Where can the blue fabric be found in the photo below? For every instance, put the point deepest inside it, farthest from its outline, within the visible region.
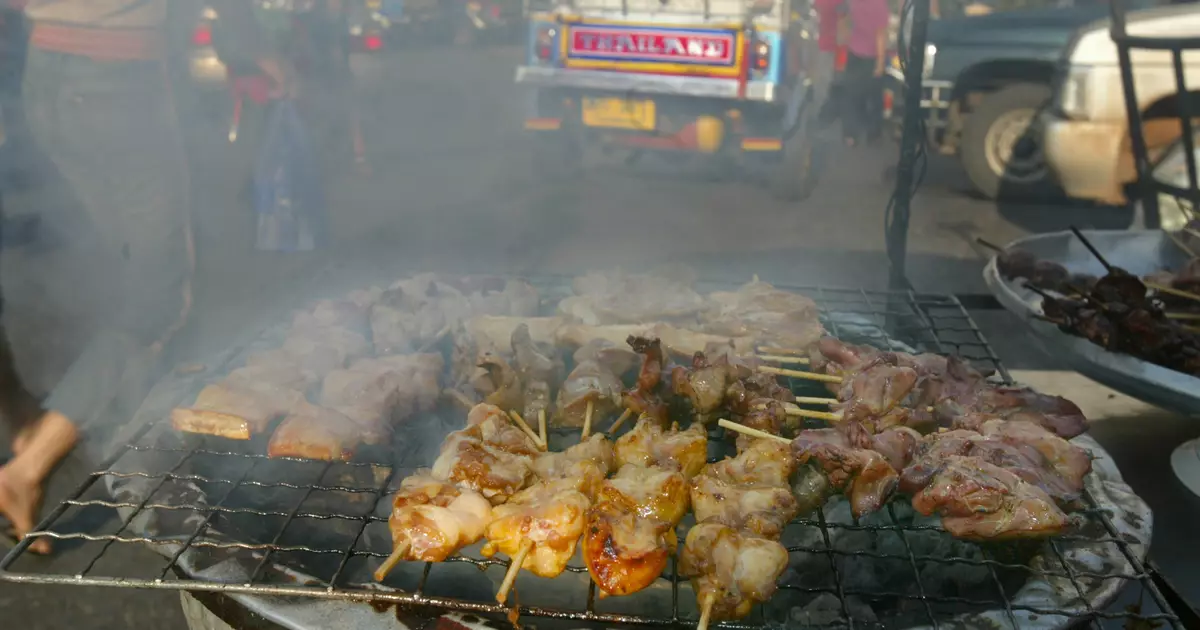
(289, 196)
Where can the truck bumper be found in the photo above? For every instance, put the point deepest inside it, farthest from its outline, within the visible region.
(936, 99)
(704, 87)
(1084, 156)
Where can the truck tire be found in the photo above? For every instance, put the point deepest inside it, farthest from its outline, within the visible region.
(1001, 146)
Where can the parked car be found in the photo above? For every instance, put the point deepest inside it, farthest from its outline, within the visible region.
(986, 77)
(1086, 128)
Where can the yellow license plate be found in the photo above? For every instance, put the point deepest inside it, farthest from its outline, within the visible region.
(619, 113)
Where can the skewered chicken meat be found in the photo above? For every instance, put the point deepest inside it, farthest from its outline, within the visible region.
(862, 474)
(548, 515)
(586, 463)
(631, 529)
(588, 382)
(616, 358)
(503, 381)
(704, 384)
(490, 456)
(649, 444)
(766, 415)
(431, 520)
(539, 369)
(678, 341)
(748, 492)
(981, 501)
(495, 332)
(314, 432)
(735, 570)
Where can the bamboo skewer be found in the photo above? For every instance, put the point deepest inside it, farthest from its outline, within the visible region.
(587, 420)
(803, 400)
(811, 413)
(391, 562)
(514, 566)
(542, 425)
(781, 358)
(1182, 316)
(791, 353)
(436, 338)
(741, 428)
(520, 422)
(706, 611)
(1172, 291)
(812, 376)
(625, 415)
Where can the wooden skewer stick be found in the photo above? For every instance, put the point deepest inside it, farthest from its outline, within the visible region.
(514, 566)
(810, 413)
(1183, 316)
(741, 428)
(804, 400)
(706, 611)
(782, 358)
(1173, 291)
(587, 420)
(1091, 248)
(436, 338)
(542, 425)
(990, 245)
(527, 429)
(791, 352)
(391, 562)
(625, 416)
(1195, 329)
(812, 376)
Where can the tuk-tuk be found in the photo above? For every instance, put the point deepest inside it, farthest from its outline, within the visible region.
(724, 78)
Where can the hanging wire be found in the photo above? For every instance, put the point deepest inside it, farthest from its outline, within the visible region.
(912, 162)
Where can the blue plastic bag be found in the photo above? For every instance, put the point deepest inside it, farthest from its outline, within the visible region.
(288, 192)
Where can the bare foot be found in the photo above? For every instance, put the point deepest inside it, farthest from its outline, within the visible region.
(21, 439)
(20, 500)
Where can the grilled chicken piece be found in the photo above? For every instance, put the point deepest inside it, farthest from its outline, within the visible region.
(981, 501)
(551, 515)
(539, 369)
(631, 529)
(648, 444)
(874, 392)
(1070, 462)
(764, 414)
(504, 382)
(586, 464)
(313, 432)
(749, 491)
(862, 474)
(588, 382)
(618, 297)
(432, 519)
(678, 341)
(234, 411)
(490, 456)
(495, 332)
(345, 314)
(746, 391)
(736, 570)
(704, 384)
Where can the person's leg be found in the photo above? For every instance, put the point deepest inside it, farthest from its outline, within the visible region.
(858, 75)
(21, 478)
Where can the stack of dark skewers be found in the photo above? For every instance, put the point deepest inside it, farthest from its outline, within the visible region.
(1119, 311)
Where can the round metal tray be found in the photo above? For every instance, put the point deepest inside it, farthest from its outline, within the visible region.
(1139, 252)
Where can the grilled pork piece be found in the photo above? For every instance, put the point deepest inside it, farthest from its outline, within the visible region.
(736, 570)
(772, 316)
(678, 341)
(649, 444)
(620, 298)
(981, 501)
(313, 432)
(748, 492)
(491, 455)
(431, 519)
(631, 528)
(550, 515)
(618, 359)
(495, 332)
(346, 314)
(376, 393)
(234, 411)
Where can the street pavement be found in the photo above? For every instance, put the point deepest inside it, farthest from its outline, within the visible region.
(451, 188)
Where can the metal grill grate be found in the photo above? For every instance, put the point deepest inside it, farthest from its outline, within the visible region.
(317, 529)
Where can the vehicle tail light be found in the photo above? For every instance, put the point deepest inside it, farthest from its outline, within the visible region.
(760, 55)
(544, 46)
(202, 36)
(372, 42)
(495, 11)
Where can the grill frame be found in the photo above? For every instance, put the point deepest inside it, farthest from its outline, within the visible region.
(927, 322)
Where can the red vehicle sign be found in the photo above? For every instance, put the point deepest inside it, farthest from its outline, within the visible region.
(632, 44)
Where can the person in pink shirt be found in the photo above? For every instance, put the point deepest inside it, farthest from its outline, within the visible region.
(867, 57)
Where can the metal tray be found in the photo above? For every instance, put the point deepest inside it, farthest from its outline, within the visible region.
(1139, 252)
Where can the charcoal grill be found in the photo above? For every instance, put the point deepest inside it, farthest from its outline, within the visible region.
(227, 519)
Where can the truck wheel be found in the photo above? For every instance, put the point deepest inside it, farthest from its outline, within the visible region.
(1001, 146)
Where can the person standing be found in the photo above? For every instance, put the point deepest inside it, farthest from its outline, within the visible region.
(99, 103)
(866, 60)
